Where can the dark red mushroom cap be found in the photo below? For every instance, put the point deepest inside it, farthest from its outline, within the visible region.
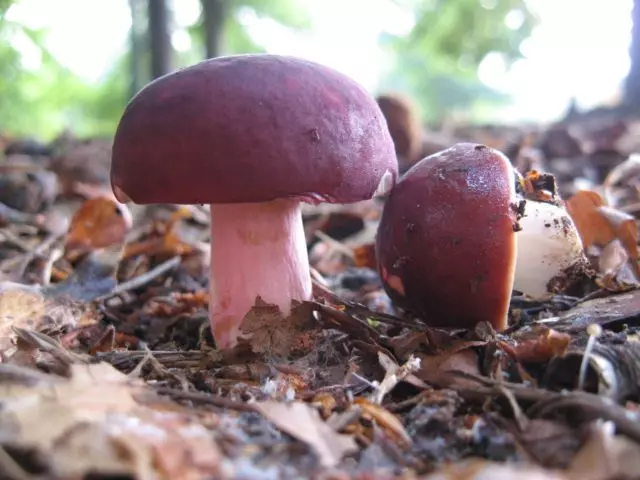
(446, 242)
(252, 128)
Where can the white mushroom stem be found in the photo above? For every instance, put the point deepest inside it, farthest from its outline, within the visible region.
(257, 249)
(548, 244)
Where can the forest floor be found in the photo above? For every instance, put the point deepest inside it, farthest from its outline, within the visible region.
(108, 367)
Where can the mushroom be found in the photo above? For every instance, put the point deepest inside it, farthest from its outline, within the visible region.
(449, 241)
(253, 136)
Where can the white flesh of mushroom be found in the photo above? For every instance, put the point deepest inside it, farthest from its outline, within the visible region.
(548, 244)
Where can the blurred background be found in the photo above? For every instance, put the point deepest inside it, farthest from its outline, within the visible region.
(73, 64)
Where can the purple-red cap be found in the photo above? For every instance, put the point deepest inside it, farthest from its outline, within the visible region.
(252, 128)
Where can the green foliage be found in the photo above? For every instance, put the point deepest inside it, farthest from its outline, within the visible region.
(470, 29)
(51, 98)
(288, 13)
(437, 61)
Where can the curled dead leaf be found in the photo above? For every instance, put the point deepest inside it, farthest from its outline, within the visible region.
(100, 222)
(164, 240)
(599, 224)
(538, 345)
(304, 423)
(268, 331)
(365, 256)
(390, 423)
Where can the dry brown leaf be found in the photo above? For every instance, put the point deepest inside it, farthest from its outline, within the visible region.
(484, 470)
(436, 369)
(599, 224)
(593, 228)
(165, 241)
(23, 306)
(612, 257)
(389, 422)
(37, 416)
(538, 345)
(606, 456)
(365, 256)
(304, 423)
(270, 332)
(20, 308)
(626, 230)
(93, 422)
(100, 222)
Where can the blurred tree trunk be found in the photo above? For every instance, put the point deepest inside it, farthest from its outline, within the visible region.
(214, 13)
(136, 34)
(632, 87)
(160, 38)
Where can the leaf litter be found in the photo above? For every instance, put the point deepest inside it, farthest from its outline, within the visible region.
(108, 366)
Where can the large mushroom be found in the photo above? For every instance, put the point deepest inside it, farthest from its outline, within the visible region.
(253, 136)
(457, 236)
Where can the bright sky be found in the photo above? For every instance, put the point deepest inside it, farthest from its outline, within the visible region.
(580, 47)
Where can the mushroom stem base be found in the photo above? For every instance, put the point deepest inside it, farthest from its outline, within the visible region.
(257, 249)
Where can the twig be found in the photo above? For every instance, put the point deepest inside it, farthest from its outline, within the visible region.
(334, 244)
(142, 279)
(10, 469)
(137, 371)
(55, 255)
(316, 276)
(546, 401)
(37, 252)
(165, 372)
(519, 416)
(321, 291)
(394, 375)
(206, 399)
(11, 215)
(51, 346)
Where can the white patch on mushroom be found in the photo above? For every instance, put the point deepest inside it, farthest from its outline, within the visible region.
(386, 184)
(548, 244)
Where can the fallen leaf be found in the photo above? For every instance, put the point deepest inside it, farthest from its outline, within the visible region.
(626, 230)
(606, 456)
(538, 345)
(551, 443)
(176, 304)
(599, 224)
(436, 369)
(304, 423)
(269, 331)
(593, 227)
(23, 306)
(100, 222)
(612, 257)
(365, 256)
(80, 430)
(389, 422)
(477, 469)
(164, 239)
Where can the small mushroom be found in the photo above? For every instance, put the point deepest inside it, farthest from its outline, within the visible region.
(453, 242)
(253, 136)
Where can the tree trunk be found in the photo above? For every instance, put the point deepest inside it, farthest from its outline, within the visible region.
(160, 38)
(135, 36)
(214, 13)
(632, 87)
